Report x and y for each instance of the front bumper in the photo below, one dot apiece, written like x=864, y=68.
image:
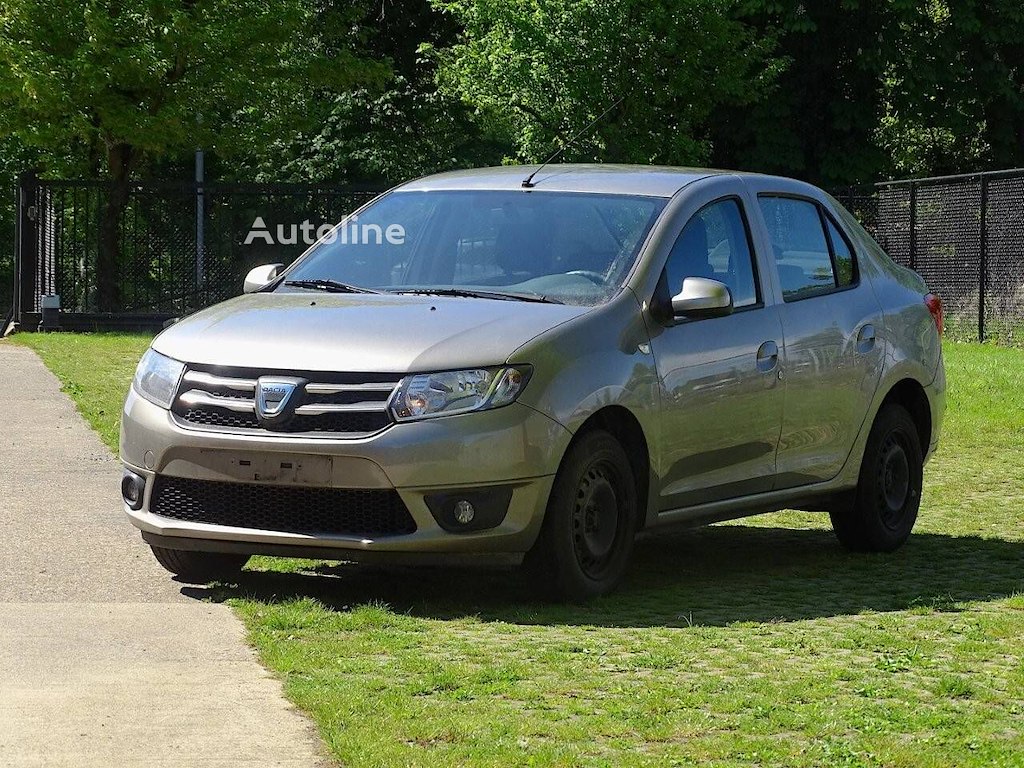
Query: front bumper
x=514, y=446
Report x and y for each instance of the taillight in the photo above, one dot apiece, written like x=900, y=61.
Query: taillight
x=934, y=304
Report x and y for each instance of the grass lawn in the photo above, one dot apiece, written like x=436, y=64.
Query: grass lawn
x=757, y=643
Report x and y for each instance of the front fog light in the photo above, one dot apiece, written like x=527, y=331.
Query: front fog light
x=464, y=512
x=133, y=489
x=470, y=509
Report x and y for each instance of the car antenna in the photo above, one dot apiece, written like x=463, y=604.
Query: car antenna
x=528, y=181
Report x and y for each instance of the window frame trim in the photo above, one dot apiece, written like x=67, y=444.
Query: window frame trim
x=830, y=219
x=823, y=216
x=752, y=252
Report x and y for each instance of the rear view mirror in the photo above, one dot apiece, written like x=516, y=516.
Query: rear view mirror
x=260, y=276
x=702, y=297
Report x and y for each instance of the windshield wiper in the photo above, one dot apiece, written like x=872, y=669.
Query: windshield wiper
x=474, y=294
x=328, y=285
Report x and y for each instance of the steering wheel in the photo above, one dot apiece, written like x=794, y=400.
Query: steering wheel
x=594, y=277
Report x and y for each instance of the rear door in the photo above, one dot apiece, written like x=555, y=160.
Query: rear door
x=832, y=355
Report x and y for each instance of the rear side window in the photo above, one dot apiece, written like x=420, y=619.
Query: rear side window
x=812, y=255
x=843, y=255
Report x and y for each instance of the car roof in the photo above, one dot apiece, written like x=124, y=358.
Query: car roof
x=651, y=180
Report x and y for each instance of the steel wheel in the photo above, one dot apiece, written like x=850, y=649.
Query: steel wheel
x=888, y=493
x=596, y=521
x=893, y=481
x=586, y=540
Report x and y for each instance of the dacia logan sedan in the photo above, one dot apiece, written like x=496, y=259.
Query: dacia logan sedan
x=480, y=368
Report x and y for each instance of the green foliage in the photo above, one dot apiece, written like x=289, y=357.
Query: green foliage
x=388, y=130
x=155, y=76
x=835, y=91
x=388, y=134
x=539, y=70
x=882, y=89
x=952, y=87
x=819, y=123
x=125, y=79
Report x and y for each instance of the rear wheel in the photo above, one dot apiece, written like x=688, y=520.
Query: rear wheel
x=888, y=492
x=200, y=567
x=587, y=538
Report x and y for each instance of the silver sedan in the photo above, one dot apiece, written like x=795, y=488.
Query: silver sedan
x=474, y=368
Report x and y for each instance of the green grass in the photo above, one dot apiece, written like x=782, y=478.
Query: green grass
x=748, y=644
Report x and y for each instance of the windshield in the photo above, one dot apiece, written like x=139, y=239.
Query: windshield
x=570, y=248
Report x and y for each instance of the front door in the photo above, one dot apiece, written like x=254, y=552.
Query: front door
x=721, y=396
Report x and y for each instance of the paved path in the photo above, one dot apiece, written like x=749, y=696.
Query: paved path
x=103, y=662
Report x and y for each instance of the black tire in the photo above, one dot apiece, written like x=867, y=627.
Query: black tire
x=200, y=567
x=888, y=492
x=587, y=537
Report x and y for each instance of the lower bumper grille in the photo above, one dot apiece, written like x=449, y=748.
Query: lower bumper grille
x=340, y=423
x=289, y=509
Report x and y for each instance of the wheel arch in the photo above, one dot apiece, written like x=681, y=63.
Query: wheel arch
x=624, y=426
x=910, y=394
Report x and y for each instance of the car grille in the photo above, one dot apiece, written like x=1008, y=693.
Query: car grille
x=289, y=509
x=337, y=405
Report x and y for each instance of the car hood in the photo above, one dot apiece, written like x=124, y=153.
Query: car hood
x=308, y=331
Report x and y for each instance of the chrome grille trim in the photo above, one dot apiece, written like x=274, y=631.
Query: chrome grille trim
x=324, y=408
x=337, y=389
x=219, y=382
x=194, y=398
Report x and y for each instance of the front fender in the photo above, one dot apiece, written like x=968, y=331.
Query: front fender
x=600, y=359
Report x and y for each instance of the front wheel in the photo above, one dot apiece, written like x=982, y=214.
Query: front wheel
x=889, y=488
x=200, y=567
x=587, y=537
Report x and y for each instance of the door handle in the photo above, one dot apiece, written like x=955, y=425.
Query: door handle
x=866, y=338
x=767, y=356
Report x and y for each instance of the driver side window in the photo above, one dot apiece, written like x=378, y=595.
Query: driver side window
x=715, y=244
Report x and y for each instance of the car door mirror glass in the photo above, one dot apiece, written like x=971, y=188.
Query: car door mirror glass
x=260, y=276
x=702, y=297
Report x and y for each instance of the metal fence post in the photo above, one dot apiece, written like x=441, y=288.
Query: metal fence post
x=26, y=276
x=200, y=223
x=913, y=226
x=982, y=256
x=16, y=287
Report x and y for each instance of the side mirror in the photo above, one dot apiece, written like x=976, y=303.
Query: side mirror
x=260, y=276
x=701, y=297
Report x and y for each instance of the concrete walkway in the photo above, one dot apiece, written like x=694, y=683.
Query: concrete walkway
x=103, y=662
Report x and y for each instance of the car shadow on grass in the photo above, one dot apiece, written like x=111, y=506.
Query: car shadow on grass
x=706, y=577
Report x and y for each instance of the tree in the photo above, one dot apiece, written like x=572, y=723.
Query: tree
x=385, y=131
x=539, y=70
x=819, y=123
x=877, y=88
x=131, y=79
x=953, y=90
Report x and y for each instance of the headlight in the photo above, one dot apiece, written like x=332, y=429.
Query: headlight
x=156, y=378
x=442, y=394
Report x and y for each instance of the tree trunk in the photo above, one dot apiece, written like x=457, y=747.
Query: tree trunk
x=120, y=158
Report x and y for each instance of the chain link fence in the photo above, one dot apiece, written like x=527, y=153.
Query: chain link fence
x=172, y=249
x=179, y=247
x=965, y=236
